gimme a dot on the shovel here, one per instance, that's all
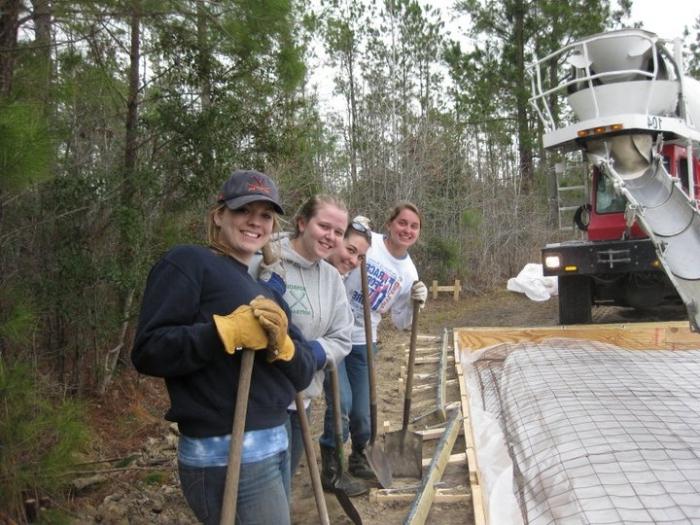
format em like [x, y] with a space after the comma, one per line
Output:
[311, 461]
[405, 449]
[373, 452]
[340, 494]
[228, 506]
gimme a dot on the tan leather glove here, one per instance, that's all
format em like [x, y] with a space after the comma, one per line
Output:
[274, 321]
[241, 329]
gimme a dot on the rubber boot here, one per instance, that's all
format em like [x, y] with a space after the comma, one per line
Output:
[358, 465]
[329, 474]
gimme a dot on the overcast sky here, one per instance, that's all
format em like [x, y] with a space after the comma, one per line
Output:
[666, 18]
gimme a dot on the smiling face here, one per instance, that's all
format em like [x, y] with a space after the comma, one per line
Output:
[245, 230]
[404, 231]
[347, 257]
[320, 235]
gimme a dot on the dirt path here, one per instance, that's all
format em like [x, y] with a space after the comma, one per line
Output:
[130, 421]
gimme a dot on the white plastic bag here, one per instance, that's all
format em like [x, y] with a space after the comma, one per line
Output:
[532, 283]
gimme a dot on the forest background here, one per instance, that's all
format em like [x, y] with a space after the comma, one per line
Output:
[119, 120]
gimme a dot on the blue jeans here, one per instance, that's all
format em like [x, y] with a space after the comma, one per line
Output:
[353, 377]
[263, 491]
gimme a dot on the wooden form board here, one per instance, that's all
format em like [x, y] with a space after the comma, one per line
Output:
[670, 336]
[637, 336]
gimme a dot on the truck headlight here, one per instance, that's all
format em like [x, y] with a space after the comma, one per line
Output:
[552, 262]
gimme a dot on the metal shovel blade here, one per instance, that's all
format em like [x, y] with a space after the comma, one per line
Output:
[373, 451]
[403, 447]
[348, 507]
[379, 462]
[404, 451]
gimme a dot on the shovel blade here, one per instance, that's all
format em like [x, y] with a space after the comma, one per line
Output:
[404, 450]
[348, 507]
[380, 465]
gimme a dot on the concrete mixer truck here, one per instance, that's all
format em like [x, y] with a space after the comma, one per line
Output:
[626, 104]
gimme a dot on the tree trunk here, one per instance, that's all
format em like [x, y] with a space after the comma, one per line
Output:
[9, 24]
[524, 146]
[128, 191]
[41, 16]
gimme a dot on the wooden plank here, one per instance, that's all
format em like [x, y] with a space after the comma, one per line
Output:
[420, 509]
[478, 495]
[392, 496]
[430, 360]
[674, 335]
[442, 369]
[431, 386]
[460, 457]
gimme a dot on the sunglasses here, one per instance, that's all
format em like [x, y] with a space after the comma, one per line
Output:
[362, 230]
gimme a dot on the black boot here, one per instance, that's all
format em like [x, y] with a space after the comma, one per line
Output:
[358, 465]
[329, 474]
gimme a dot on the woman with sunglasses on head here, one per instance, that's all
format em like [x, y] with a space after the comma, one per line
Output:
[200, 309]
[314, 291]
[393, 286]
[357, 240]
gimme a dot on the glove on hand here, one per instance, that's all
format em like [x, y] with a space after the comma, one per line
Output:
[419, 292]
[274, 321]
[241, 329]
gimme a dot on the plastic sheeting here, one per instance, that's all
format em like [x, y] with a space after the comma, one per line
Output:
[575, 432]
[532, 283]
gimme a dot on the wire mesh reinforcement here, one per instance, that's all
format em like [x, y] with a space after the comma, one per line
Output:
[598, 434]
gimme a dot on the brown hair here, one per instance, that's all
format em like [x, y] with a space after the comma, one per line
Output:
[213, 230]
[399, 207]
[310, 208]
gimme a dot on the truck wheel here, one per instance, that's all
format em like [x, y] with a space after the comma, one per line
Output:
[574, 299]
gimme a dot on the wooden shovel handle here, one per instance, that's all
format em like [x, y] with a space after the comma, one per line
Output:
[411, 362]
[228, 506]
[366, 308]
[311, 461]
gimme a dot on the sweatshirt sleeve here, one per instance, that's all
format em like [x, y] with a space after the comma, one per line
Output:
[171, 340]
[402, 309]
[337, 341]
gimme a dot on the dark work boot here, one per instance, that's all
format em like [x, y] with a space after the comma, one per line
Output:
[358, 465]
[329, 474]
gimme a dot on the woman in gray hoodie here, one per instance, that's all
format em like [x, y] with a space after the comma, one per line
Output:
[316, 296]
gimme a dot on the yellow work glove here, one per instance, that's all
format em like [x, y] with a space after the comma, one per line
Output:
[241, 329]
[274, 321]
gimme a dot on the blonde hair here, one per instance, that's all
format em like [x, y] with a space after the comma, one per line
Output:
[399, 207]
[213, 230]
[308, 210]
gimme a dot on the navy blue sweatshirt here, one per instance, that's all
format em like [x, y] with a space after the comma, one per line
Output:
[176, 339]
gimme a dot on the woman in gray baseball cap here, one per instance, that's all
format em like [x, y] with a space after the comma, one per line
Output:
[200, 308]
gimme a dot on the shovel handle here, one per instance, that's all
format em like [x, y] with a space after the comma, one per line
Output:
[311, 461]
[411, 362]
[228, 506]
[370, 351]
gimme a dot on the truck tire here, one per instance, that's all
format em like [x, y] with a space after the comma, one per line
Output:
[575, 299]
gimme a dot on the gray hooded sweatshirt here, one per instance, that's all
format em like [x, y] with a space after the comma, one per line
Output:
[317, 299]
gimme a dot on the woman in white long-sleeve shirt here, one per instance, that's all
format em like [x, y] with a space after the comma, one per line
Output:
[393, 286]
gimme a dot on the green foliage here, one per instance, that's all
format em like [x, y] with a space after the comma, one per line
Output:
[444, 258]
[157, 477]
[25, 149]
[471, 218]
[39, 436]
[18, 319]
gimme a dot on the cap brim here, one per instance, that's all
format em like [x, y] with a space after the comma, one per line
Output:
[238, 202]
